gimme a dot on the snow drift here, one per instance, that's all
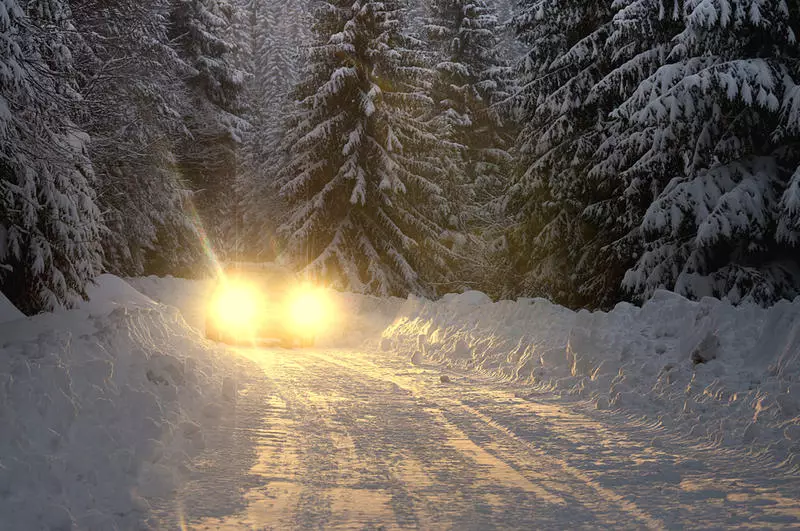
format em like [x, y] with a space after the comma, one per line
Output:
[101, 409]
[729, 374]
[8, 312]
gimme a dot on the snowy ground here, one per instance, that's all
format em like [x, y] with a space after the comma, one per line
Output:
[119, 415]
[103, 408]
[719, 373]
[353, 439]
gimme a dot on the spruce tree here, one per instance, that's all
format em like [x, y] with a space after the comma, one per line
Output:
[706, 148]
[281, 36]
[560, 251]
[49, 221]
[362, 168]
[471, 83]
[271, 39]
[133, 102]
[207, 157]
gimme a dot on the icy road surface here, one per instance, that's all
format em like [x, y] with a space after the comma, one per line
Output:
[330, 439]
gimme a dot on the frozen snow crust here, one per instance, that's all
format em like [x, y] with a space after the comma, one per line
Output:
[101, 409]
[727, 374]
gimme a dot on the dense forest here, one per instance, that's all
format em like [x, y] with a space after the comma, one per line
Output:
[585, 151]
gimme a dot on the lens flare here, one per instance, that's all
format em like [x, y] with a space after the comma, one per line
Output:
[237, 306]
[205, 241]
[310, 310]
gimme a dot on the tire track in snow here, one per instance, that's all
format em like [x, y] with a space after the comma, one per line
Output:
[361, 440]
[334, 492]
[608, 494]
[682, 484]
[448, 403]
[391, 431]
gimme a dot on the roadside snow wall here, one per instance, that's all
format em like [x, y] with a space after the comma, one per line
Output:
[101, 409]
[729, 374]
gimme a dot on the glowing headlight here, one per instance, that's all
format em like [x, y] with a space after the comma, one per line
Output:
[236, 305]
[309, 310]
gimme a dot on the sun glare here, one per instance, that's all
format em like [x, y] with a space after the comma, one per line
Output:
[310, 310]
[237, 305]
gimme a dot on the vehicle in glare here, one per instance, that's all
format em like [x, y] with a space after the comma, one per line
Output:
[255, 302]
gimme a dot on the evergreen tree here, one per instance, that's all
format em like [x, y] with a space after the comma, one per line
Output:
[562, 253]
[49, 223]
[281, 33]
[133, 102]
[207, 158]
[706, 149]
[362, 169]
[511, 49]
[271, 42]
[471, 82]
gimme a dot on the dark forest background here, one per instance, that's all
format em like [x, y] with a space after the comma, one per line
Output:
[584, 151]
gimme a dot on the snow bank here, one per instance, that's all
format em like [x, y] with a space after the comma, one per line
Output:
[729, 374]
[8, 312]
[101, 409]
[358, 319]
[189, 296]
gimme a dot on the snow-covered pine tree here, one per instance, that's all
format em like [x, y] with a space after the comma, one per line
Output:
[281, 33]
[636, 47]
[471, 82]
[245, 32]
[49, 223]
[511, 48]
[361, 171]
[242, 33]
[133, 102]
[207, 158]
[560, 251]
[708, 146]
[271, 39]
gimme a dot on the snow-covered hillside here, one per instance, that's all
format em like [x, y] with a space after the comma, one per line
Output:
[727, 374]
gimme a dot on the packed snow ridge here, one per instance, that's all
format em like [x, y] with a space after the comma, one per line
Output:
[726, 374]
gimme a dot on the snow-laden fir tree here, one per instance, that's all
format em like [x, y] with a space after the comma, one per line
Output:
[271, 39]
[362, 168]
[280, 32]
[49, 222]
[561, 252]
[245, 32]
[510, 47]
[207, 157]
[708, 145]
[133, 102]
[471, 83]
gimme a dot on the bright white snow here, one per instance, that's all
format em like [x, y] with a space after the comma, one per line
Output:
[729, 374]
[102, 408]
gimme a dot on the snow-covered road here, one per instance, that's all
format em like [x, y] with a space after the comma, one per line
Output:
[121, 415]
[348, 439]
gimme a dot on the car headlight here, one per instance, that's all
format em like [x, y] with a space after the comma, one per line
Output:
[236, 306]
[309, 310]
